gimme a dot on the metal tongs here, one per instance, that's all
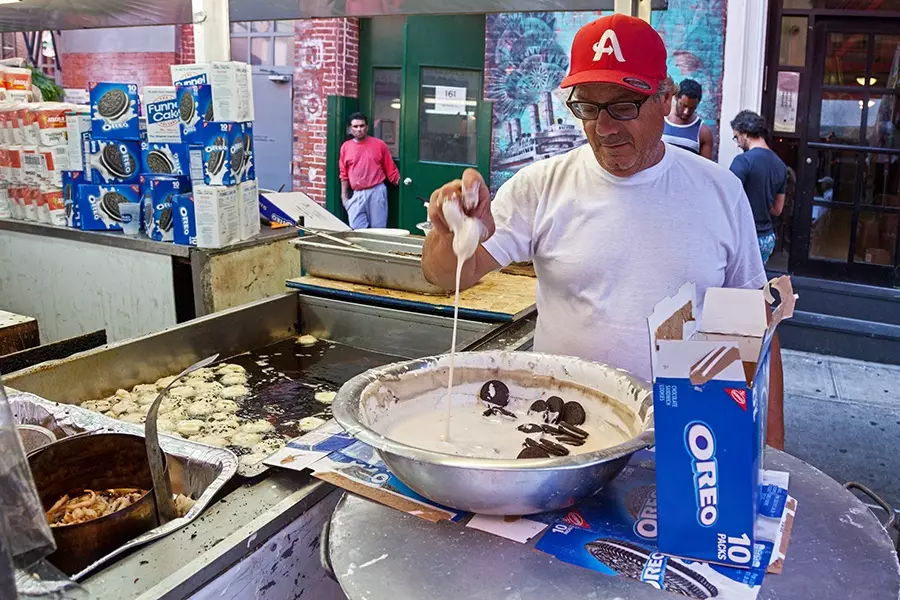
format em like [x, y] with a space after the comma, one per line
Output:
[162, 484]
[329, 237]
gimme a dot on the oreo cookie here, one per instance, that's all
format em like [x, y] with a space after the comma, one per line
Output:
[109, 205]
[187, 108]
[165, 217]
[573, 413]
[114, 111]
[113, 105]
[158, 163]
[208, 115]
[247, 171]
[120, 163]
[237, 155]
[216, 161]
[629, 559]
[494, 392]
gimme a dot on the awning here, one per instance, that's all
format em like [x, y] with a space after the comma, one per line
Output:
[42, 15]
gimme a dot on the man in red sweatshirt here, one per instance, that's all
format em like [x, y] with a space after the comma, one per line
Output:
[365, 163]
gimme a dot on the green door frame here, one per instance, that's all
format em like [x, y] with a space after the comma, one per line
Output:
[411, 43]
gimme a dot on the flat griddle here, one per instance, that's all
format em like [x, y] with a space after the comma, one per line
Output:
[284, 378]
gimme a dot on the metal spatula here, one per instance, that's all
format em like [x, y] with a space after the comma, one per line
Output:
[162, 485]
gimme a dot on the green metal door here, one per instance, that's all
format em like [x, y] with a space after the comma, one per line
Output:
[446, 126]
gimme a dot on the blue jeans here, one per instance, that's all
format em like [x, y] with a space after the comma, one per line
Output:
[368, 208]
[766, 245]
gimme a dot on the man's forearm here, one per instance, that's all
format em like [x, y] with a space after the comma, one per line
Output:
[775, 423]
[345, 191]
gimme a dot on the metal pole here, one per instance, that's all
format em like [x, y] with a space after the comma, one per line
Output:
[212, 30]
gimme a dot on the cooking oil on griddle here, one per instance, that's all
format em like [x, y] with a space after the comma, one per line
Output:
[284, 378]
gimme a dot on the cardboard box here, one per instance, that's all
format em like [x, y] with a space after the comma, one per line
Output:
[185, 229]
[114, 161]
[231, 93]
[54, 160]
[710, 400]
[161, 108]
[223, 150]
[191, 74]
[71, 181]
[157, 194]
[78, 134]
[31, 165]
[14, 159]
[289, 207]
[195, 108]
[29, 125]
[164, 159]
[216, 215]
[114, 111]
[98, 205]
[248, 210]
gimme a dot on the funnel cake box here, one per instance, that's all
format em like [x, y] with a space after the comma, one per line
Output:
[710, 400]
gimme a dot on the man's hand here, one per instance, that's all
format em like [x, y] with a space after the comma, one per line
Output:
[438, 259]
[453, 192]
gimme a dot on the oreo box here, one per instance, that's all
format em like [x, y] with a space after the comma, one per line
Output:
[161, 108]
[98, 205]
[710, 395]
[113, 161]
[216, 215]
[165, 159]
[222, 152]
[71, 180]
[114, 111]
[248, 209]
[247, 168]
[185, 225]
[195, 108]
[158, 194]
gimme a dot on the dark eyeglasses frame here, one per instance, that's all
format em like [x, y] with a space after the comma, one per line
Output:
[605, 106]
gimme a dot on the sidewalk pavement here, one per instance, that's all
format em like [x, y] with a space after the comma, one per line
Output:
[843, 416]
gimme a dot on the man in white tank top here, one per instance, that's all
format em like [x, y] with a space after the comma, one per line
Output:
[614, 226]
[684, 127]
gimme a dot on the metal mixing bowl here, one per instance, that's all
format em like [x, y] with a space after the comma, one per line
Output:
[498, 486]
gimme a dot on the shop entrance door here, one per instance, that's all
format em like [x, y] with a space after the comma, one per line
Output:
[421, 83]
[848, 228]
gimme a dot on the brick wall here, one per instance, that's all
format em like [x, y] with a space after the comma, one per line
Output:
[326, 62]
[143, 68]
[185, 53]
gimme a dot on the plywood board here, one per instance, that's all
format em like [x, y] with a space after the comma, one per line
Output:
[497, 292]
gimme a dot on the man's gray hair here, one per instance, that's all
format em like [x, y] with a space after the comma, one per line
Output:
[666, 86]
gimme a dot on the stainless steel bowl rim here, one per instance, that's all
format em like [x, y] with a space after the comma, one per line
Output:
[345, 409]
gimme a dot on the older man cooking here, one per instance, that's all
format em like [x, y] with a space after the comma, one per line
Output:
[614, 226]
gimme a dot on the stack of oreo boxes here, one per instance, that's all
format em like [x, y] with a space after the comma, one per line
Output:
[33, 151]
[167, 149]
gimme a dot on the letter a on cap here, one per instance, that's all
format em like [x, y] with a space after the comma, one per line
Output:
[608, 44]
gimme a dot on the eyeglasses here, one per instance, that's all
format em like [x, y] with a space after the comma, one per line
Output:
[623, 110]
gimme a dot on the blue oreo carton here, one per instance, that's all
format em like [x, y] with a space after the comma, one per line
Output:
[113, 161]
[158, 194]
[165, 159]
[222, 152]
[710, 400]
[247, 169]
[98, 205]
[615, 533]
[114, 111]
[194, 109]
[185, 221]
[71, 181]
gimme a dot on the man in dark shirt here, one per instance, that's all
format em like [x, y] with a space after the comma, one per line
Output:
[763, 174]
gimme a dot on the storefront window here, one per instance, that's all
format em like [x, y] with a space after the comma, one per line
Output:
[830, 233]
[886, 62]
[263, 42]
[793, 41]
[835, 177]
[883, 127]
[845, 58]
[873, 5]
[841, 116]
[449, 99]
[386, 107]
[881, 180]
[803, 4]
[876, 238]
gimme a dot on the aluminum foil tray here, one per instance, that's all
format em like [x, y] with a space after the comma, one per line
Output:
[198, 470]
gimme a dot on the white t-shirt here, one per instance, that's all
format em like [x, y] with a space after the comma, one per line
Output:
[606, 249]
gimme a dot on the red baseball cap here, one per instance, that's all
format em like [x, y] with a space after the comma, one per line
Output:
[621, 50]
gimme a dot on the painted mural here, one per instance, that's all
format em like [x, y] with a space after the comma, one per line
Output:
[527, 58]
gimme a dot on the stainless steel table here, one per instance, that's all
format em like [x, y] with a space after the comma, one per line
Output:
[838, 549]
